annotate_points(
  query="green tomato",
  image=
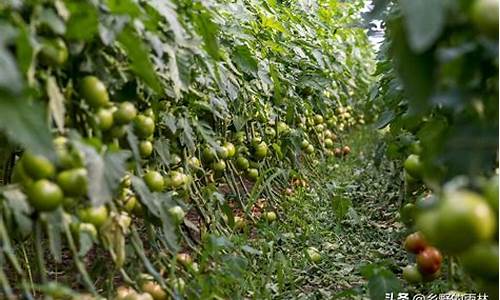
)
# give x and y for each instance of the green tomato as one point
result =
(118, 131)
(413, 166)
(484, 15)
(125, 113)
(104, 118)
(231, 150)
(145, 149)
(208, 155)
(94, 92)
(37, 166)
(96, 216)
(465, 218)
(177, 213)
(260, 151)
(242, 163)
(144, 126)
(481, 260)
(219, 166)
(154, 181)
(253, 174)
(73, 182)
(490, 191)
(309, 149)
(270, 216)
(53, 52)
(222, 152)
(412, 275)
(44, 195)
(328, 143)
(313, 254)
(318, 119)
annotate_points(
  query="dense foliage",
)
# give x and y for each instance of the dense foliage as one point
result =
(149, 130)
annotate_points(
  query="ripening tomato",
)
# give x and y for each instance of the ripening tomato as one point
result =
(415, 243)
(73, 182)
(154, 181)
(94, 92)
(44, 195)
(37, 166)
(144, 126)
(184, 259)
(346, 150)
(155, 290)
(125, 113)
(429, 260)
(337, 152)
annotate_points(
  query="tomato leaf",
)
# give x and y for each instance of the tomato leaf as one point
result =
(424, 21)
(56, 103)
(139, 56)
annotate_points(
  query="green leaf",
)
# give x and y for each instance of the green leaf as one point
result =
(10, 77)
(54, 231)
(20, 209)
(49, 17)
(187, 138)
(277, 84)
(126, 7)
(99, 191)
(341, 206)
(167, 9)
(209, 32)
(382, 282)
(24, 123)
(139, 56)
(83, 21)
(56, 103)
(245, 60)
(115, 167)
(424, 20)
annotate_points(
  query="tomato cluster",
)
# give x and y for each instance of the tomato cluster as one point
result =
(428, 259)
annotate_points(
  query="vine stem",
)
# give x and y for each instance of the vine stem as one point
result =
(78, 262)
